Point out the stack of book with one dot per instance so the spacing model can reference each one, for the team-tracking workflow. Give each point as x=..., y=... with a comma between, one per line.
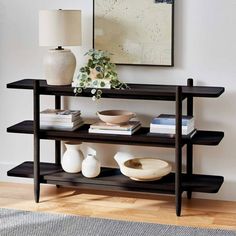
x=165, y=124
x=123, y=129
x=69, y=120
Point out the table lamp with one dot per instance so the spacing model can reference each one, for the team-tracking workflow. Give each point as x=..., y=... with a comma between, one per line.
x=58, y=28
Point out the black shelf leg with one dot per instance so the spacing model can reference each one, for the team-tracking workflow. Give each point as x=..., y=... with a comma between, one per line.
x=57, y=143
x=189, y=146
x=36, y=141
x=178, y=151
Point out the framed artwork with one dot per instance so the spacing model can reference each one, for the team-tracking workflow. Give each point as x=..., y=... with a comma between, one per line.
x=136, y=32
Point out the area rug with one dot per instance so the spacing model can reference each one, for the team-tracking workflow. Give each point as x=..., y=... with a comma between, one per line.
x=24, y=223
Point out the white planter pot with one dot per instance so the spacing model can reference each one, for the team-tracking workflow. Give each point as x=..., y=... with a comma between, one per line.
x=91, y=167
x=72, y=158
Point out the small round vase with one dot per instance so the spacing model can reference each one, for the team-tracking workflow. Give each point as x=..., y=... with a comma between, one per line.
x=91, y=167
x=72, y=158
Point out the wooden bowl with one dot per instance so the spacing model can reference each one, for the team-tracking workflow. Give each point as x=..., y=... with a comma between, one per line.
x=115, y=117
x=145, y=169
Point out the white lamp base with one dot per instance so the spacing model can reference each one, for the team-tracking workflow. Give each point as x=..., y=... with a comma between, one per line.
x=59, y=67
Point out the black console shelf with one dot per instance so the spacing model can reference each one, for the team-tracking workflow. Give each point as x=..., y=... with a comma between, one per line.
x=110, y=178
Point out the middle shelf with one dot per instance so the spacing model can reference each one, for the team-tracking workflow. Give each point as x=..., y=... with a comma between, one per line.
x=141, y=137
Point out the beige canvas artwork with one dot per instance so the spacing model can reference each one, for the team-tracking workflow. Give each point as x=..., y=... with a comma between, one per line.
x=134, y=31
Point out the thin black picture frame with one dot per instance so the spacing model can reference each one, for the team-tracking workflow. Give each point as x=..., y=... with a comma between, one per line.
x=172, y=2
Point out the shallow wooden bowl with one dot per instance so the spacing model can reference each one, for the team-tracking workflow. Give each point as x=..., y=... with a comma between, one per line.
x=145, y=169
x=112, y=117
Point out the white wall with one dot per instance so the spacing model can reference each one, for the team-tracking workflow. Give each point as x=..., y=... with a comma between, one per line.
x=205, y=49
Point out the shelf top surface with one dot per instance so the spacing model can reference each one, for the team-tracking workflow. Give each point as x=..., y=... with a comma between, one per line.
x=135, y=91
x=141, y=137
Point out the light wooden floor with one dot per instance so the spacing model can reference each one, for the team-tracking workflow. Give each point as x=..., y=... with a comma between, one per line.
x=121, y=206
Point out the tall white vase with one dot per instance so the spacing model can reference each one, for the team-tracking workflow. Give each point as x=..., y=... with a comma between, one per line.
x=91, y=167
x=72, y=158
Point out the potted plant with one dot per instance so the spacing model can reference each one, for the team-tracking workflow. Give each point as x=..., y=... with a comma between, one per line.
x=99, y=73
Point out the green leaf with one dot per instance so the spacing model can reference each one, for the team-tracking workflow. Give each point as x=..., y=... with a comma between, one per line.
x=100, y=76
x=82, y=70
x=98, y=96
x=84, y=76
x=102, y=84
x=79, y=90
x=97, y=57
x=95, y=82
x=88, y=70
x=99, y=92
x=93, y=91
x=90, y=62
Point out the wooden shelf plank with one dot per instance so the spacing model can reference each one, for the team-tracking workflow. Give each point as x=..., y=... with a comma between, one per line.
x=207, y=137
x=136, y=91
x=25, y=170
x=141, y=137
x=112, y=178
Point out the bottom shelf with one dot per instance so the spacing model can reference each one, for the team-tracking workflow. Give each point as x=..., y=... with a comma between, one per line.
x=112, y=179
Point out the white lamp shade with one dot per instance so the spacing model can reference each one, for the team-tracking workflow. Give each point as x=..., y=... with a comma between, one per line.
x=60, y=28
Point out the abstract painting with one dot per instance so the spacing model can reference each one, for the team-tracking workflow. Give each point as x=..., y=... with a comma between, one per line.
x=136, y=32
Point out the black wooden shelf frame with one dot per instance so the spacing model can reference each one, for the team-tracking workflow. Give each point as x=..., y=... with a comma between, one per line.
x=175, y=183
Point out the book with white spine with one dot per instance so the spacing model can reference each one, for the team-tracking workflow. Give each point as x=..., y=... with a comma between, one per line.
x=165, y=124
x=103, y=126
x=61, y=123
x=119, y=132
x=59, y=115
x=167, y=130
x=61, y=127
x=172, y=135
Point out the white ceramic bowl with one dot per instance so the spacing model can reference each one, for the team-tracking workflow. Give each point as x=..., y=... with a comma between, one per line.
x=114, y=117
x=145, y=169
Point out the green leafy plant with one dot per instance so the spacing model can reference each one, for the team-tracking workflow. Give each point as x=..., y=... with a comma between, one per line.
x=98, y=73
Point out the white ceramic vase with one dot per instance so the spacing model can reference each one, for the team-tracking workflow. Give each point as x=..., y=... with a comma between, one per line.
x=59, y=67
x=91, y=167
x=72, y=158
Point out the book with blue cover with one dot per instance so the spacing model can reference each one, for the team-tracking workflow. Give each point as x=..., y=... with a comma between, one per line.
x=165, y=124
x=166, y=119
